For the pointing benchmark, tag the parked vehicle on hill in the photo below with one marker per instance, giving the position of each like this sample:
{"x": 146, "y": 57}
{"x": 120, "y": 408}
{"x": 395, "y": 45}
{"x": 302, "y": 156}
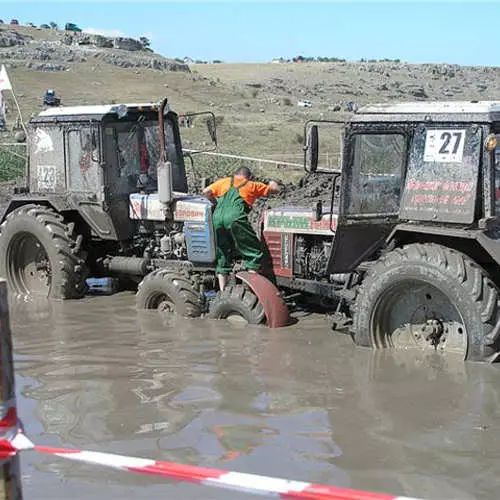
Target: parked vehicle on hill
{"x": 305, "y": 104}
{"x": 72, "y": 27}
{"x": 14, "y": 21}
{"x": 50, "y": 99}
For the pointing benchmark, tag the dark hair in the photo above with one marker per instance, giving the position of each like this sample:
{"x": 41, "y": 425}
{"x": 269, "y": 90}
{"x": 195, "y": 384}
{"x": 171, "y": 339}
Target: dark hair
{"x": 244, "y": 172}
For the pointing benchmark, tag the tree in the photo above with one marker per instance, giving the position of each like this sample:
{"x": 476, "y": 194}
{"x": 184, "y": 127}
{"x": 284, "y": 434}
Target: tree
{"x": 53, "y": 25}
{"x": 145, "y": 42}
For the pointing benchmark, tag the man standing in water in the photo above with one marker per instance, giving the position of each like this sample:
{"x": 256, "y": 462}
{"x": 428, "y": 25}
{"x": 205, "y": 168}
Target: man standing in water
{"x": 234, "y": 235}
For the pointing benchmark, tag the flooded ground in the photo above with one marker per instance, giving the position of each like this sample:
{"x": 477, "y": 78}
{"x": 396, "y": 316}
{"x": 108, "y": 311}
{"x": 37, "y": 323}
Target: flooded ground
{"x": 301, "y": 403}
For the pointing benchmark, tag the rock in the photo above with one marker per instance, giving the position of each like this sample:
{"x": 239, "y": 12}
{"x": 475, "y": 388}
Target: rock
{"x": 102, "y": 42}
{"x": 67, "y": 39}
{"x": 84, "y": 40}
{"x": 127, "y": 44}
{"x": 417, "y": 92}
{"x": 20, "y": 136}
{"x": 12, "y": 38}
{"x": 49, "y": 67}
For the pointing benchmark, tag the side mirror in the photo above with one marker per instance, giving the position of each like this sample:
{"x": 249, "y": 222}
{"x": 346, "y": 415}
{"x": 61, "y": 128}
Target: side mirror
{"x": 318, "y": 210}
{"x": 212, "y": 129}
{"x": 194, "y": 127}
{"x": 311, "y": 149}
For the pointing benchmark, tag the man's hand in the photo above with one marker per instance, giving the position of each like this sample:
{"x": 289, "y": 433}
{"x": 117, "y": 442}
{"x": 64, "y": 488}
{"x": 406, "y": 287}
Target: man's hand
{"x": 273, "y": 187}
{"x": 207, "y": 193}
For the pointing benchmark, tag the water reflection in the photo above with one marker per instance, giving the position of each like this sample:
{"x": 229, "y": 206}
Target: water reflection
{"x": 299, "y": 402}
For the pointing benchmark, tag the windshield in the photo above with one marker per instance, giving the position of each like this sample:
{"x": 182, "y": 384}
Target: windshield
{"x": 133, "y": 148}
{"x": 376, "y": 174}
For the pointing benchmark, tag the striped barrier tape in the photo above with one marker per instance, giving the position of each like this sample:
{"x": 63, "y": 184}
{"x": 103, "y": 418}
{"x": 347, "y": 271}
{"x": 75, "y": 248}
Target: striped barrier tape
{"x": 249, "y": 483}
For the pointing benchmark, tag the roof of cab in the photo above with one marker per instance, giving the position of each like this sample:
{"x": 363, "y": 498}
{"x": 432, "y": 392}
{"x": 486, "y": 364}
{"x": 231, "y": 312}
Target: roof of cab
{"x": 462, "y": 111}
{"x": 97, "y": 112}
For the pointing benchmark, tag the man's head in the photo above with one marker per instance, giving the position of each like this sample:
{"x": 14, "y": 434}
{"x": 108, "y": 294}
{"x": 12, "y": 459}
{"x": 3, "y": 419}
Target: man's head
{"x": 244, "y": 172}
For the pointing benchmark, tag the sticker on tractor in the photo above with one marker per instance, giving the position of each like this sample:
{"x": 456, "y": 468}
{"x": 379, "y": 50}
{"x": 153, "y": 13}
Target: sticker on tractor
{"x": 42, "y": 142}
{"x": 298, "y": 222}
{"x": 189, "y": 211}
{"x": 444, "y": 146}
{"x": 46, "y": 178}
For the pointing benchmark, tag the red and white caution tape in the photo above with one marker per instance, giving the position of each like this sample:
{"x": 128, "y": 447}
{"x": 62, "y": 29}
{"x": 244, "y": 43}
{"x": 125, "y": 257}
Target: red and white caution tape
{"x": 249, "y": 483}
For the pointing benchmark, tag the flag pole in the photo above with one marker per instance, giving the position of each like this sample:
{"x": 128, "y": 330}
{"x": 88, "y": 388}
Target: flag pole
{"x": 19, "y": 112}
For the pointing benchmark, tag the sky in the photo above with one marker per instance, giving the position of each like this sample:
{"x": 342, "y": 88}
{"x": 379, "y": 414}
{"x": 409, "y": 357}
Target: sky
{"x": 244, "y": 31}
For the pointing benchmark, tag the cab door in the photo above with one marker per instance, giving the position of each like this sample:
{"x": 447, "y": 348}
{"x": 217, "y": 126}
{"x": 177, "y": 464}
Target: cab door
{"x": 373, "y": 169}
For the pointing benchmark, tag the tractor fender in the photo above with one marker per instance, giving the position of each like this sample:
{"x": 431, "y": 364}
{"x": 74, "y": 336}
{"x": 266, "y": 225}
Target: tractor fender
{"x": 269, "y": 296}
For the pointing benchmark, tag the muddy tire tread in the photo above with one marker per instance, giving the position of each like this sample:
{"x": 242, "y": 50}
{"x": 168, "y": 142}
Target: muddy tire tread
{"x": 179, "y": 289}
{"x": 457, "y": 268}
{"x": 237, "y": 299}
{"x": 69, "y": 271}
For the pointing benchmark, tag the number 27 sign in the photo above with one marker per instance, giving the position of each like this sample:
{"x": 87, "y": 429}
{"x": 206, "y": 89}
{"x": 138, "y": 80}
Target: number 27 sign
{"x": 444, "y": 146}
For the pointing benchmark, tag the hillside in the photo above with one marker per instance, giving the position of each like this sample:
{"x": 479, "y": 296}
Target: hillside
{"x": 256, "y": 103}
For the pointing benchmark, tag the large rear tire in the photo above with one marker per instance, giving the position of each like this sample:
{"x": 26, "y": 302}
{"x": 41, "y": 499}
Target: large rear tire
{"x": 237, "y": 300}
{"x": 40, "y": 255}
{"x": 427, "y": 295}
{"x": 168, "y": 292}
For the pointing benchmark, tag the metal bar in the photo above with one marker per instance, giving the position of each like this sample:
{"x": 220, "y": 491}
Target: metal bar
{"x": 224, "y": 155}
{"x": 10, "y": 474}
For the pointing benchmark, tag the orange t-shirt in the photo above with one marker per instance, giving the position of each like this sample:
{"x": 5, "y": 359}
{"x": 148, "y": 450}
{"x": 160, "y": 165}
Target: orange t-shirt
{"x": 249, "y": 192}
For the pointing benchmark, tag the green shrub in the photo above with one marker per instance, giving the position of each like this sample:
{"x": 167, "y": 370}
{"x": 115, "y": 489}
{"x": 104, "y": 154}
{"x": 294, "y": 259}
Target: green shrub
{"x": 12, "y": 162}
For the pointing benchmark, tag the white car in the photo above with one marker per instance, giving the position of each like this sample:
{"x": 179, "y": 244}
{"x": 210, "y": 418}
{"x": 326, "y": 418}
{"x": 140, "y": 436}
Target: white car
{"x": 305, "y": 104}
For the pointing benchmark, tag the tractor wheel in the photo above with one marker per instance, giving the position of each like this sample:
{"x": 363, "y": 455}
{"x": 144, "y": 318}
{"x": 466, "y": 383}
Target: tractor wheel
{"x": 427, "y": 295}
{"x": 168, "y": 292}
{"x": 40, "y": 255}
{"x": 236, "y": 300}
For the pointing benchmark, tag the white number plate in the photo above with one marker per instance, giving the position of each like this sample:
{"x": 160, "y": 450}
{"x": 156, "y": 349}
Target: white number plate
{"x": 444, "y": 146}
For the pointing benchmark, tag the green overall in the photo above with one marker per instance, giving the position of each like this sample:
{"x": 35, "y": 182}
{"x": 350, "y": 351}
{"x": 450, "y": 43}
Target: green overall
{"x": 234, "y": 236}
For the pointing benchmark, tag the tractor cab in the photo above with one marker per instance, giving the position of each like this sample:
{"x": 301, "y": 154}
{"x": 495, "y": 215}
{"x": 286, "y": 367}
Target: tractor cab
{"x": 423, "y": 164}
{"x": 92, "y": 159}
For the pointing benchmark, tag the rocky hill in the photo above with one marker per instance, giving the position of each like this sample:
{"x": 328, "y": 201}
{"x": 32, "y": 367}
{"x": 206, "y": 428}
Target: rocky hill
{"x": 257, "y": 104}
{"x": 54, "y": 50}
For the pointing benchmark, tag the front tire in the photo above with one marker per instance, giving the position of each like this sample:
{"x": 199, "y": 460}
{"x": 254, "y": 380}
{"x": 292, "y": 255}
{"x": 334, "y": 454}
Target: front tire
{"x": 427, "y": 295}
{"x": 168, "y": 292}
{"x": 40, "y": 255}
{"x": 237, "y": 300}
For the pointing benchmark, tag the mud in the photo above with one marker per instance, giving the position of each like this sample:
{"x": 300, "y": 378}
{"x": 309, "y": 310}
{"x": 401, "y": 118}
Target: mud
{"x": 301, "y": 402}
{"x": 310, "y": 189}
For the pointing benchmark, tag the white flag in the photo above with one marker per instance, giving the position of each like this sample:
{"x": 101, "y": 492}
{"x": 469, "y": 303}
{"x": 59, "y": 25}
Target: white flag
{"x": 4, "y": 79}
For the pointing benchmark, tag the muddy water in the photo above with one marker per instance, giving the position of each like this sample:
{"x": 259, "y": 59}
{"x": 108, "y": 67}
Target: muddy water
{"x": 301, "y": 403}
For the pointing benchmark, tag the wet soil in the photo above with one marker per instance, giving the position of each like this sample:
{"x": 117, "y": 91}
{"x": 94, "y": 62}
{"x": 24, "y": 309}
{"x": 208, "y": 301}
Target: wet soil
{"x": 304, "y": 194}
{"x": 300, "y": 402}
